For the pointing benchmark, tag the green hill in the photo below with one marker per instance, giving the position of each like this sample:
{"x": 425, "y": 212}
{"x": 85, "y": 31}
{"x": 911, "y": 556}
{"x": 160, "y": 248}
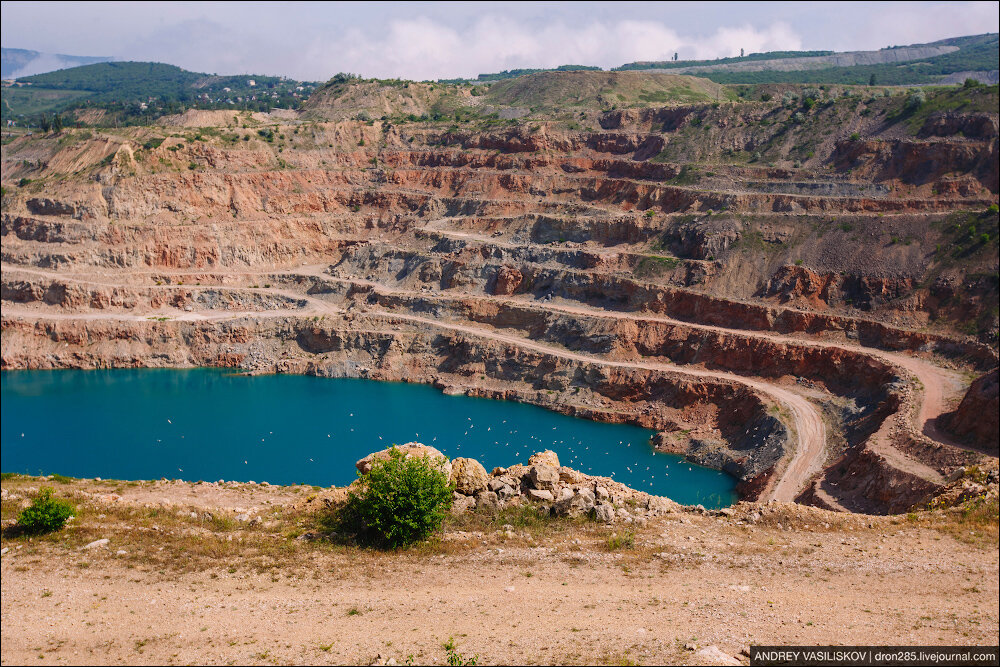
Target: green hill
{"x": 600, "y": 90}
{"x": 139, "y": 92}
{"x": 895, "y": 65}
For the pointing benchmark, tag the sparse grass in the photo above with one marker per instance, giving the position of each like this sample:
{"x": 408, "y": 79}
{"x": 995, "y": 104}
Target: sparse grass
{"x": 975, "y": 522}
{"x": 655, "y": 265}
{"x": 623, "y": 659}
{"x": 620, "y": 542}
{"x": 521, "y": 519}
{"x": 688, "y": 175}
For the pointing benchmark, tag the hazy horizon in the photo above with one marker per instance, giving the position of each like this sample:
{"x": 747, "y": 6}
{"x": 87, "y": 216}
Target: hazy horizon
{"x": 436, "y": 40}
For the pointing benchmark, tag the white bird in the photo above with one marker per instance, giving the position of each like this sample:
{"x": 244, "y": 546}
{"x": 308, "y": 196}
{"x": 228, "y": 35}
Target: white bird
{"x": 244, "y": 463}
{"x": 169, "y": 422}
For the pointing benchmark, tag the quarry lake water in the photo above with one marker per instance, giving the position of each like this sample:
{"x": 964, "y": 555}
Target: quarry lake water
{"x": 209, "y": 424}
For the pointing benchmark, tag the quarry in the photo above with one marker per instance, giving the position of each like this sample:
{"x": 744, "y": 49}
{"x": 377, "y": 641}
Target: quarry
{"x": 796, "y": 285}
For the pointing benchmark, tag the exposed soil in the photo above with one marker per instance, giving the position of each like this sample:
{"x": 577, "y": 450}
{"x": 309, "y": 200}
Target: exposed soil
{"x": 169, "y": 588}
{"x": 802, "y": 295}
{"x": 648, "y": 246}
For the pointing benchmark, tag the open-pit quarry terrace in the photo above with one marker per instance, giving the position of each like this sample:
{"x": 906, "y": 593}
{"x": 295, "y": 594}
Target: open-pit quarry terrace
{"x": 749, "y": 313}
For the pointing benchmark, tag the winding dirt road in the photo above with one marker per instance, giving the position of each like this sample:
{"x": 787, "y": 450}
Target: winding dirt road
{"x": 939, "y": 385}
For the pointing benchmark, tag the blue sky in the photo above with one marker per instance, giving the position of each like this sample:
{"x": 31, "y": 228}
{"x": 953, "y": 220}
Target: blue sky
{"x": 438, "y": 40}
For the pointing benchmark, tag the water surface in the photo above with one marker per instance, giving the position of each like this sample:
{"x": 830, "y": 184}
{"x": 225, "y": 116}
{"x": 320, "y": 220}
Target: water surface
{"x": 210, "y": 424}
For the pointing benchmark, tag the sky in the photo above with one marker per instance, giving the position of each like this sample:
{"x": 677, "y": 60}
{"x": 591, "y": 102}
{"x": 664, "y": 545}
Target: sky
{"x": 431, "y": 40}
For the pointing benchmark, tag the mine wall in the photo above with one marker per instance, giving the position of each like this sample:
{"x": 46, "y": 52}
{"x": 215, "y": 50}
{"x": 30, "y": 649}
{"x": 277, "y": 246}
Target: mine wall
{"x": 727, "y": 412}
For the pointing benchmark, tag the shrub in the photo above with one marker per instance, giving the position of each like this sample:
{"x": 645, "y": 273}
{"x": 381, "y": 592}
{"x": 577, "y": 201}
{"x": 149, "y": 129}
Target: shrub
{"x": 456, "y": 659}
{"x": 400, "y": 501}
{"x": 46, "y": 514}
{"x": 915, "y": 99}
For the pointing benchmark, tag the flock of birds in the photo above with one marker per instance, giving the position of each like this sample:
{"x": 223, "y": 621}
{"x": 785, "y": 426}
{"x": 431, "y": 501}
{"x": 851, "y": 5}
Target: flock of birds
{"x": 573, "y": 453}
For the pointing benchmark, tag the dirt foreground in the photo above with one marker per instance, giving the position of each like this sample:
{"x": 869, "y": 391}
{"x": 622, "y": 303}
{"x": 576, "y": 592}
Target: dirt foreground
{"x": 226, "y": 574}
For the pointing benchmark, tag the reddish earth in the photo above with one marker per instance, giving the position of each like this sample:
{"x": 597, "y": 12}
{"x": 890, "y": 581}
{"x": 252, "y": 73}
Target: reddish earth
{"x": 775, "y": 287}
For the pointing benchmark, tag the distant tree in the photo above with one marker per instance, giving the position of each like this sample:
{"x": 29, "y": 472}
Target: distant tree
{"x": 44, "y": 123}
{"x": 872, "y": 80}
{"x": 57, "y": 123}
{"x": 741, "y": 53}
{"x": 342, "y": 77}
{"x": 675, "y": 56}
{"x": 915, "y": 99}
{"x": 971, "y": 83}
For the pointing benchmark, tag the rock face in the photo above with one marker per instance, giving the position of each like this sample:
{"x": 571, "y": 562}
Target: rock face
{"x": 544, "y": 477}
{"x": 576, "y": 503}
{"x": 977, "y": 415}
{"x": 468, "y": 476}
{"x": 410, "y": 449}
{"x": 548, "y": 457}
{"x": 559, "y": 491}
{"x": 537, "y": 262}
{"x": 508, "y": 279}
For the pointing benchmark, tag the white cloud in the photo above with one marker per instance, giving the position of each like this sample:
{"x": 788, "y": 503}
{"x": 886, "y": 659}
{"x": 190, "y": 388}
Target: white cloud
{"x": 897, "y": 23}
{"x": 440, "y": 40}
{"x": 424, "y": 49}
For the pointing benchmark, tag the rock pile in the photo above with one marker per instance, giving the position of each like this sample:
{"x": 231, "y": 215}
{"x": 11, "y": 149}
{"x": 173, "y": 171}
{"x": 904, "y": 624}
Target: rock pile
{"x": 556, "y": 489}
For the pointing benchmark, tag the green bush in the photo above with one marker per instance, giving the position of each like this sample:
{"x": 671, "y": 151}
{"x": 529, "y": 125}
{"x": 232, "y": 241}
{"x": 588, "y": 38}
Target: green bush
{"x": 46, "y": 514}
{"x": 400, "y": 501}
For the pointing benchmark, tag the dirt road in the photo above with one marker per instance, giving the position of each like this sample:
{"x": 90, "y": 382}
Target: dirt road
{"x": 940, "y": 386}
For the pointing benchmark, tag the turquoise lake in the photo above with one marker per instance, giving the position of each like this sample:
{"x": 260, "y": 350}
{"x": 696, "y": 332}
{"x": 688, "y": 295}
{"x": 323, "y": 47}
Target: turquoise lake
{"x": 210, "y": 424}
